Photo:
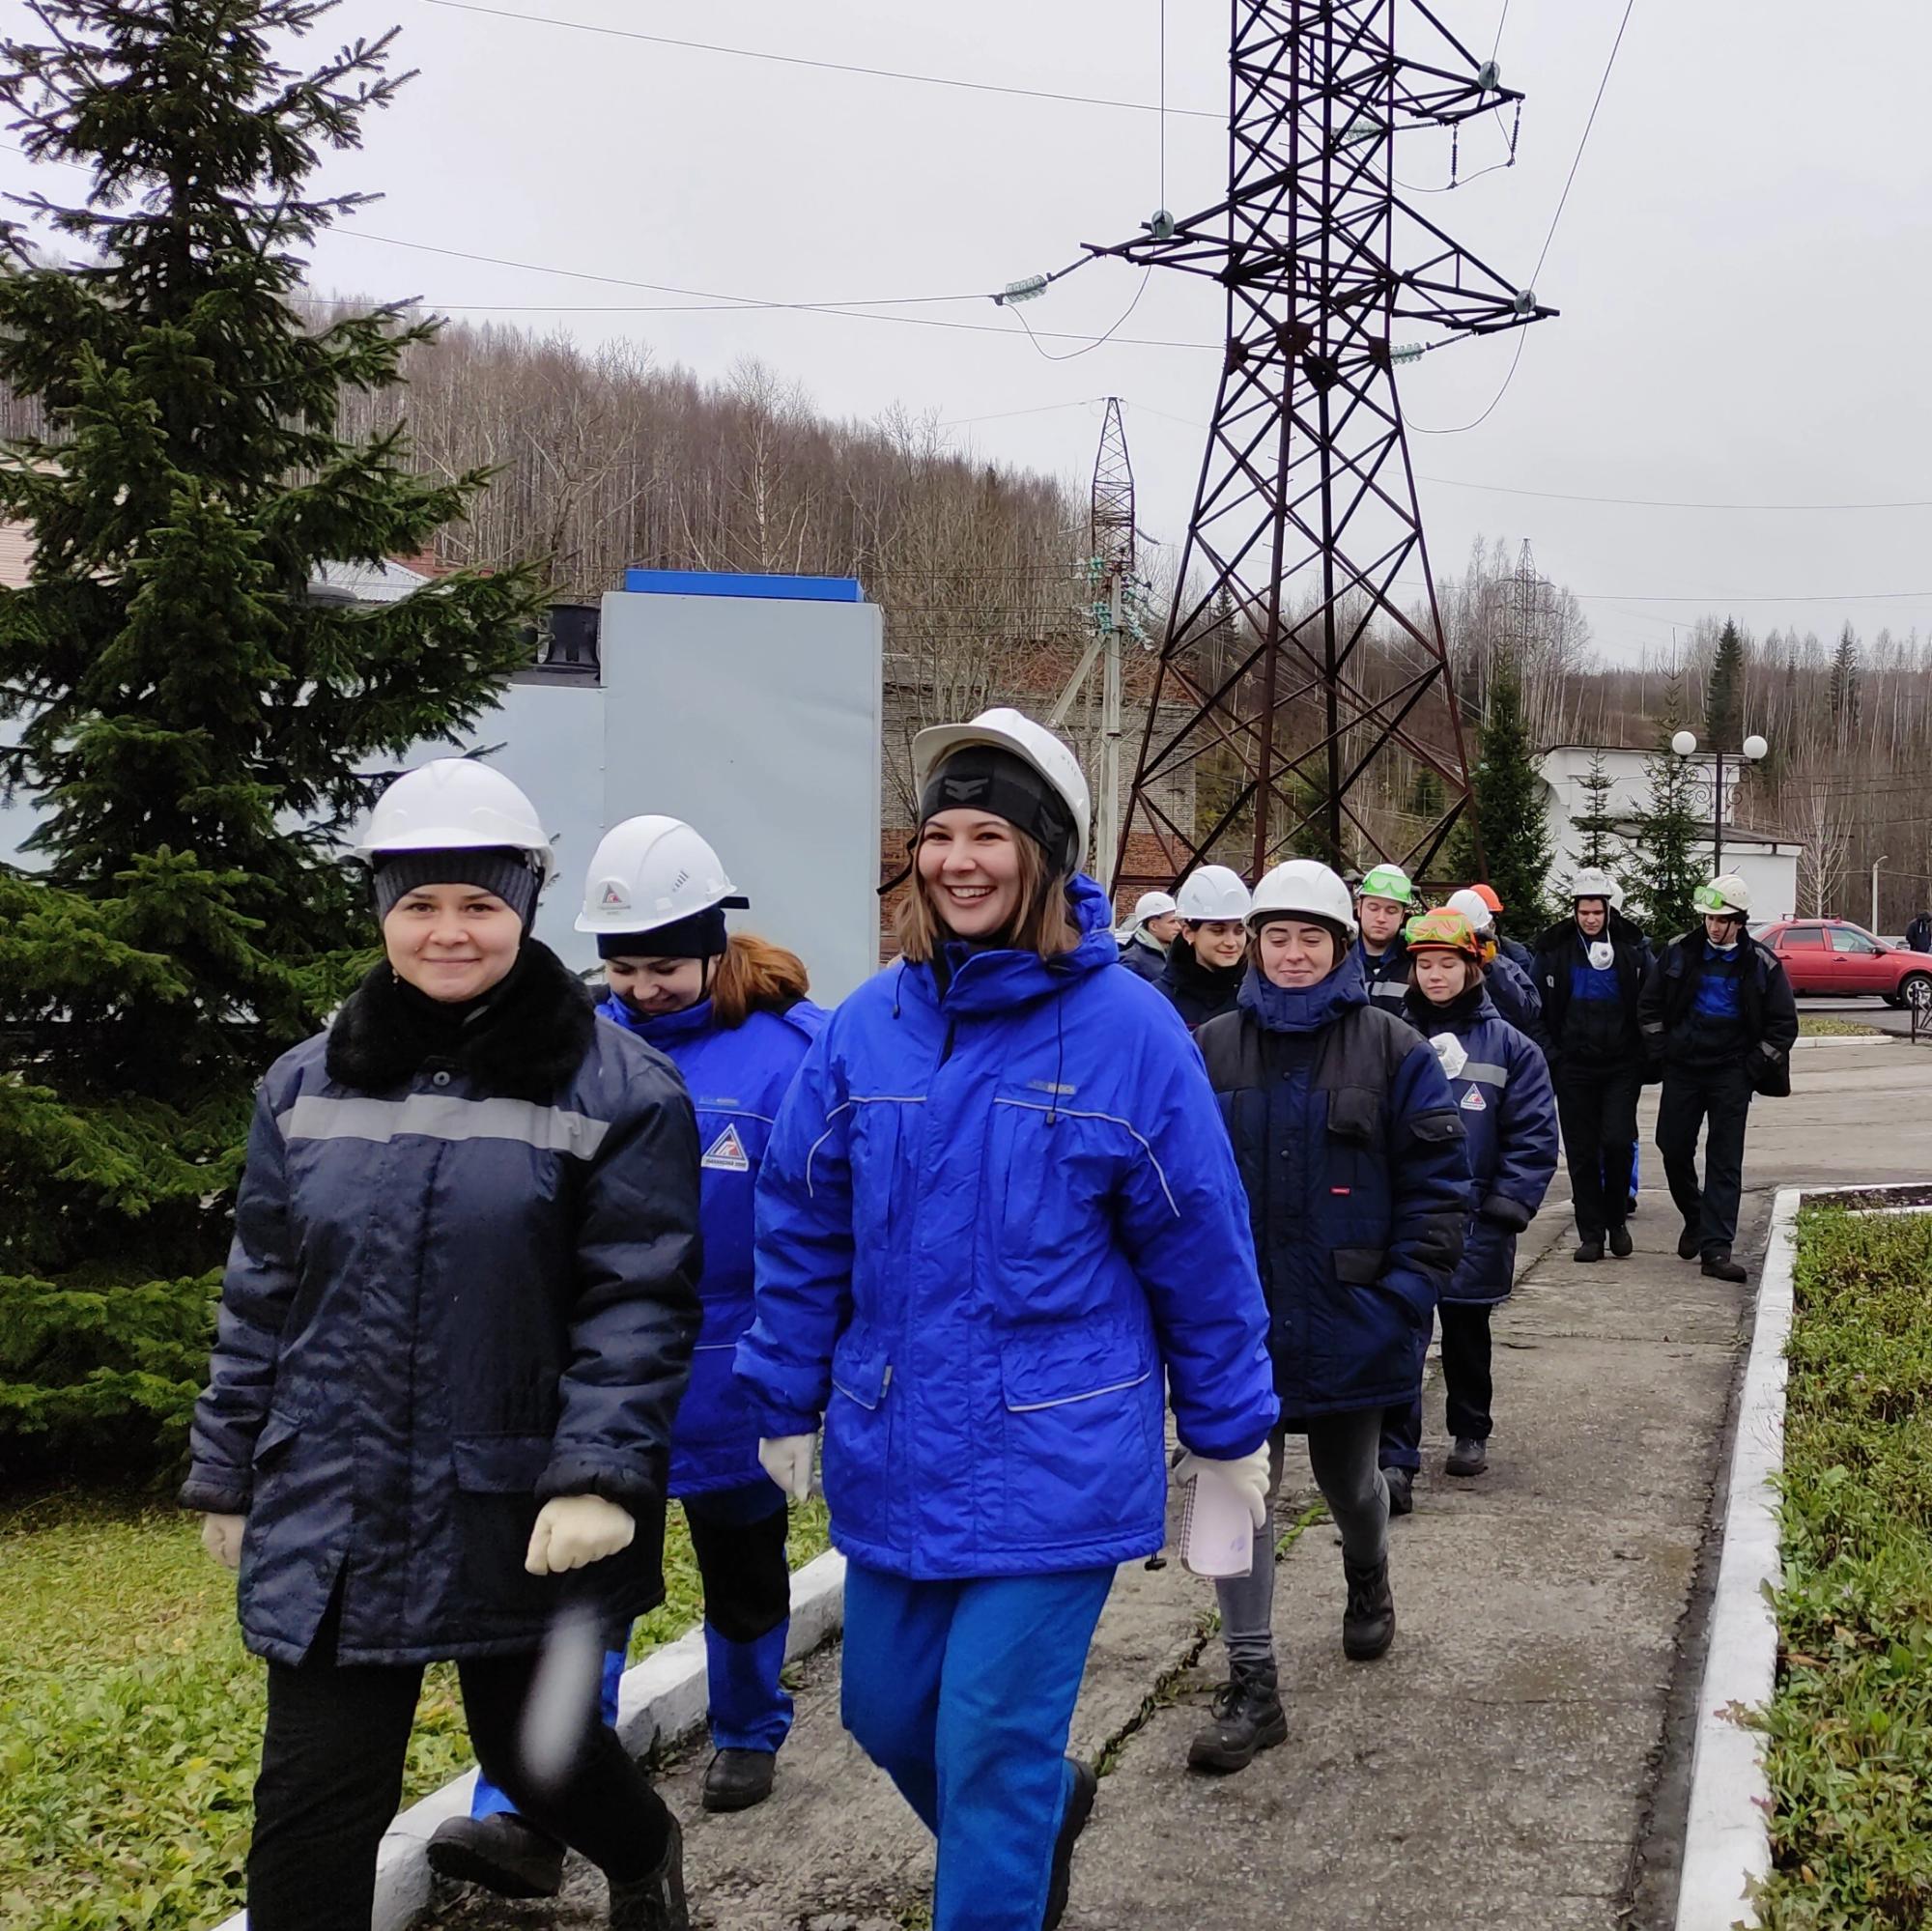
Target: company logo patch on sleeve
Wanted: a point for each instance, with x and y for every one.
(727, 1151)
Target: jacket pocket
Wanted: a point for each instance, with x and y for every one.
(280, 1430)
(856, 1449)
(1360, 1267)
(499, 1464)
(1082, 1452)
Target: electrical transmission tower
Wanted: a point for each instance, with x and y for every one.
(1290, 663)
(1117, 610)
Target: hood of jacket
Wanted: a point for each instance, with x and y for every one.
(1303, 1009)
(526, 1041)
(1468, 1009)
(998, 979)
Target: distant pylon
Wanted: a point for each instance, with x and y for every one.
(1267, 710)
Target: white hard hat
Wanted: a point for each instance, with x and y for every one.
(1616, 897)
(1590, 883)
(1031, 744)
(1474, 907)
(1151, 906)
(1214, 892)
(454, 804)
(1727, 893)
(650, 872)
(1307, 886)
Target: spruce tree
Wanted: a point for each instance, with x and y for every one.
(1666, 860)
(194, 726)
(1595, 828)
(1510, 813)
(1725, 691)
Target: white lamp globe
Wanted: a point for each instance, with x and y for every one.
(1684, 743)
(1755, 747)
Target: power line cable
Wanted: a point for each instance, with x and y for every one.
(1099, 341)
(828, 66)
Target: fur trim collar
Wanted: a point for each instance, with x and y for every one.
(528, 1045)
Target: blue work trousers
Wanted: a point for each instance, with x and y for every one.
(963, 1692)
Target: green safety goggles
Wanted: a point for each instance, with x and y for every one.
(1386, 881)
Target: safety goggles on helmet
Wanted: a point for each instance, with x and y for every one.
(1714, 902)
(1443, 931)
(1387, 881)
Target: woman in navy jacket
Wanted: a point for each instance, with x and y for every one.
(730, 1013)
(995, 1215)
(1502, 1086)
(1351, 1154)
(454, 1329)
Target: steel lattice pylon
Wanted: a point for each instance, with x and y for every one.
(1306, 522)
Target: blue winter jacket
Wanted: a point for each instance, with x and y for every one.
(1507, 1108)
(1386, 978)
(1145, 957)
(1351, 1151)
(991, 1218)
(736, 1076)
(1515, 997)
(462, 1283)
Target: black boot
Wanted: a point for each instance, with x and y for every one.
(1689, 1244)
(1589, 1248)
(1621, 1242)
(501, 1853)
(1469, 1457)
(1401, 1484)
(737, 1779)
(1079, 1807)
(1248, 1717)
(1719, 1265)
(1368, 1623)
(654, 1903)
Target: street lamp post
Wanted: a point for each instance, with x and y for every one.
(1754, 748)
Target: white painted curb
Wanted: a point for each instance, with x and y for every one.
(1728, 1839)
(662, 1697)
(1725, 1837)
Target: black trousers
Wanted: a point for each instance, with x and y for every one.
(1598, 1115)
(1465, 1379)
(741, 1560)
(1719, 1102)
(332, 1778)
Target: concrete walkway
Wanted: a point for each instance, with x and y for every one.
(1514, 1763)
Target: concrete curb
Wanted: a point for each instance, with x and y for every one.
(1726, 1839)
(662, 1699)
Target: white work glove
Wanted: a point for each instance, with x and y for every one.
(221, 1537)
(575, 1529)
(787, 1460)
(1246, 1474)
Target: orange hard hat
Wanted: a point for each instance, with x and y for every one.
(1486, 894)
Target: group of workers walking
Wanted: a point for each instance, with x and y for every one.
(510, 1273)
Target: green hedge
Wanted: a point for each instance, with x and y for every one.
(130, 1716)
(1851, 1722)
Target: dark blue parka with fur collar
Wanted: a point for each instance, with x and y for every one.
(462, 1282)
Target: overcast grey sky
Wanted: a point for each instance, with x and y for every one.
(1741, 266)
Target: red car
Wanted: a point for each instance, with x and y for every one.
(1832, 956)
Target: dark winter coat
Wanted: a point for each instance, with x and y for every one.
(463, 1282)
(1583, 1034)
(1507, 1109)
(1386, 977)
(1669, 1019)
(1515, 997)
(1919, 934)
(1199, 993)
(737, 1075)
(1145, 957)
(993, 1220)
(1519, 955)
(1351, 1151)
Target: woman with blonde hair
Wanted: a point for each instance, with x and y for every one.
(996, 1215)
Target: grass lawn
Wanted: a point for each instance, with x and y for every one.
(130, 1716)
(1837, 1029)
(1851, 1721)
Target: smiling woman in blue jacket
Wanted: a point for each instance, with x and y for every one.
(996, 1212)
(1500, 1083)
(1352, 1152)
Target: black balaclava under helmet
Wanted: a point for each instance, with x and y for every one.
(500, 870)
(984, 778)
